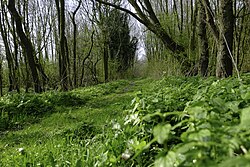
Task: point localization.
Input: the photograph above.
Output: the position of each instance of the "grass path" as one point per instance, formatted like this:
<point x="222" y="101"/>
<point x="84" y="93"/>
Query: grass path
<point x="46" y="142"/>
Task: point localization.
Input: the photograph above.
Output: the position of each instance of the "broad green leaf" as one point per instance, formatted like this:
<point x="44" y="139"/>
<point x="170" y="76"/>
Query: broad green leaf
<point x="203" y="136"/>
<point x="197" y="112"/>
<point x="246" y="96"/>
<point x="235" y="162"/>
<point x="233" y="105"/>
<point x="219" y="103"/>
<point x="148" y="117"/>
<point x="155" y="100"/>
<point x="245" y="118"/>
<point x="112" y="159"/>
<point x="140" y="145"/>
<point x="169" y="160"/>
<point x="161" y="132"/>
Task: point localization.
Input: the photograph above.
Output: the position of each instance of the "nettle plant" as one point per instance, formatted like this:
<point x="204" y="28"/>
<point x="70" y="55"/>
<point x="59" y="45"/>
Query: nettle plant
<point x="202" y="123"/>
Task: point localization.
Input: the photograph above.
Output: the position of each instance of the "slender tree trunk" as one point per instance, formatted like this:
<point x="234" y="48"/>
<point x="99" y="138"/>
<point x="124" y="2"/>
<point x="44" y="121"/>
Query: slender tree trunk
<point x="4" y="33"/>
<point x="224" y="67"/>
<point x="8" y="54"/>
<point x="193" y="27"/>
<point x="204" y="51"/>
<point x="105" y="61"/>
<point x="177" y="15"/>
<point x="1" y="78"/>
<point x="182" y="15"/>
<point x="26" y="44"/>
<point x="62" y="54"/>
<point x="15" y="57"/>
<point x="74" y="52"/>
<point x="69" y="82"/>
<point x="85" y="58"/>
<point x="75" y="43"/>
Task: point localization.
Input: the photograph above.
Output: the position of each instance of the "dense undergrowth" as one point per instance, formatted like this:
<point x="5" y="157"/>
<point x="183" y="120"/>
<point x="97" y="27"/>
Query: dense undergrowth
<point x="170" y="122"/>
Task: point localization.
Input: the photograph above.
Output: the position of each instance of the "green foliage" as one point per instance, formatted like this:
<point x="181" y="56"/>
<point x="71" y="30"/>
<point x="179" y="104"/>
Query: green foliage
<point x="66" y="99"/>
<point x="175" y="121"/>
<point x="16" y="108"/>
<point x="20" y="108"/>
<point x="196" y="122"/>
<point x="122" y="46"/>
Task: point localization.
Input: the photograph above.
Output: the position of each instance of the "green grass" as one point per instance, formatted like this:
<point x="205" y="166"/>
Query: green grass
<point x="57" y="138"/>
<point x="175" y="121"/>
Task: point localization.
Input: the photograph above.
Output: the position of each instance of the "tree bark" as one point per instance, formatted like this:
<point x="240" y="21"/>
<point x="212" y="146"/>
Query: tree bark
<point x="223" y="36"/>
<point x="224" y="66"/>
<point x="75" y="42"/>
<point x="15" y="56"/>
<point x="62" y="55"/>
<point x="105" y="61"/>
<point x="85" y="58"/>
<point x="7" y="51"/>
<point x="26" y="45"/>
<point x="11" y="57"/>
<point x="204" y="52"/>
<point x="1" y="78"/>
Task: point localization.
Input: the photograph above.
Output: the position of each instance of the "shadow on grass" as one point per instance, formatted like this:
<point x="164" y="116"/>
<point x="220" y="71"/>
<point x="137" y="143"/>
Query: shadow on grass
<point x="12" y="139"/>
<point x="111" y="100"/>
<point x="21" y="110"/>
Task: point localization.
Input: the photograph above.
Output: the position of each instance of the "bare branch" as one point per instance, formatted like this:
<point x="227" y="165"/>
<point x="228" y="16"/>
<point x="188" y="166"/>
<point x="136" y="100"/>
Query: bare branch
<point x="122" y="9"/>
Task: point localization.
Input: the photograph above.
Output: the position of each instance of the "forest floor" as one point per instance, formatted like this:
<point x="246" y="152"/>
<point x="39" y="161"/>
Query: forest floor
<point x="34" y="142"/>
<point x="173" y="121"/>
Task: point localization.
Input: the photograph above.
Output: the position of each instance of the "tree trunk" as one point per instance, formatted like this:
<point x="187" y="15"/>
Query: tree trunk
<point x="5" y="31"/>
<point x="7" y="52"/>
<point x="74" y="51"/>
<point x="204" y="52"/>
<point x="74" y="43"/>
<point x="194" y="13"/>
<point x="15" y="57"/>
<point x="85" y="58"/>
<point x="224" y="67"/>
<point x="105" y="61"/>
<point x="26" y="45"/>
<point x="1" y="78"/>
<point x="62" y="54"/>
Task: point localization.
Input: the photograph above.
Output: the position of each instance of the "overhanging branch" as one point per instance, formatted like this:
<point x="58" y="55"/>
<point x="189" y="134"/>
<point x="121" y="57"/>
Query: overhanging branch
<point x="122" y="9"/>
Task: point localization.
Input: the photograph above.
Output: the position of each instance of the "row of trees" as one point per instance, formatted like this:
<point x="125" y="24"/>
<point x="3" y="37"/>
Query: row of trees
<point x="68" y="43"/>
<point x="203" y="37"/>
<point x="74" y="43"/>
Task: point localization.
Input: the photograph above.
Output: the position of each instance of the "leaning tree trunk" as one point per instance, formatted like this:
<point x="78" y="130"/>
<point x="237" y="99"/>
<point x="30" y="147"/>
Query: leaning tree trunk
<point x="26" y="45"/>
<point x="224" y="67"/>
<point x="9" y="59"/>
<point x="5" y="31"/>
